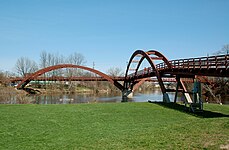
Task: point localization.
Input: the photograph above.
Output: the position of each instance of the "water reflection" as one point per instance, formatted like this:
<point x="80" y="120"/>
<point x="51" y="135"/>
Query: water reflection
<point x="75" y="98"/>
<point x="155" y="95"/>
<point x="101" y="98"/>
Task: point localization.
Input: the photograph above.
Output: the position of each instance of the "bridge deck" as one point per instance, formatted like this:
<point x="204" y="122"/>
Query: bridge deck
<point x="217" y="66"/>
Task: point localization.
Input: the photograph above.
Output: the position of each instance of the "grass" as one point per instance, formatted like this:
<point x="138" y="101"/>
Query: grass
<point x="112" y="126"/>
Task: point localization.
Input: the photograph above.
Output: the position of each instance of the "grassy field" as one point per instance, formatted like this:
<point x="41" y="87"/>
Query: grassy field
<point x="112" y="126"/>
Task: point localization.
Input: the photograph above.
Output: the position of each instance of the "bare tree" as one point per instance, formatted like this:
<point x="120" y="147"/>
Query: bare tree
<point x="44" y="63"/>
<point x="43" y="59"/>
<point x="219" y="90"/>
<point x="76" y="59"/>
<point x="4" y="79"/>
<point x="24" y="66"/>
<point x="49" y="56"/>
<point x="115" y="71"/>
<point x="224" y="50"/>
<point x="49" y="59"/>
<point x="56" y="60"/>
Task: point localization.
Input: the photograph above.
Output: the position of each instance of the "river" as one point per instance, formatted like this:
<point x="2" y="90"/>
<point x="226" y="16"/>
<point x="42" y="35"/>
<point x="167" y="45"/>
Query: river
<point x="99" y="98"/>
<point x="75" y="98"/>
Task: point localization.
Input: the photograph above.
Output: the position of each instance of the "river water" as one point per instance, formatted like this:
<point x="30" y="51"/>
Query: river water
<point x="75" y="98"/>
<point x="99" y="98"/>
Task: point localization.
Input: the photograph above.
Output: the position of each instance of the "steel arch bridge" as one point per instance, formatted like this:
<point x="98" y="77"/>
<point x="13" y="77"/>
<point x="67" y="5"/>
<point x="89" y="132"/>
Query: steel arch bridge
<point x="34" y="75"/>
<point x="217" y="66"/>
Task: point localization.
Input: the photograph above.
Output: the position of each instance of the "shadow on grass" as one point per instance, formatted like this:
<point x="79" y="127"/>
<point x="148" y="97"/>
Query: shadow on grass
<point x="182" y="108"/>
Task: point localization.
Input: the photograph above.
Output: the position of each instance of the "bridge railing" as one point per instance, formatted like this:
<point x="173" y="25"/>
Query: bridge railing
<point x="216" y="62"/>
<point x="211" y="62"/>
<point x="144" y="71"/>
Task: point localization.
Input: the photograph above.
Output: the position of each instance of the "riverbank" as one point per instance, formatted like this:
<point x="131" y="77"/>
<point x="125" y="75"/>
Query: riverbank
<point x="112" y="126"/>
<point x="10" y="95"/>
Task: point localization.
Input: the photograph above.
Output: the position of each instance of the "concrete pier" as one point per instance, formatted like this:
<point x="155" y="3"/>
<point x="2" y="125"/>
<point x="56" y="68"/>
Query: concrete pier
<point x="126" y="94"/>
<point x="166" y="98"/>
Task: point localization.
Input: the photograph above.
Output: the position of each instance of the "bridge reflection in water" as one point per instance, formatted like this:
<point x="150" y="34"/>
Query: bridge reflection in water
<point x="155" y="96"/>
<point x="92" y="98"/>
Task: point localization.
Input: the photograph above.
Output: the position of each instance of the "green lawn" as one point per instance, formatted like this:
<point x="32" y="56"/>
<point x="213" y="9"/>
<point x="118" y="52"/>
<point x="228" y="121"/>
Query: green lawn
<point x="112" y="126"/>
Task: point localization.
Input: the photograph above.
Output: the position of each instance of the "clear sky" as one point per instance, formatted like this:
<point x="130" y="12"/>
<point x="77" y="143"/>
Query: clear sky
<point x="107" y="32"/>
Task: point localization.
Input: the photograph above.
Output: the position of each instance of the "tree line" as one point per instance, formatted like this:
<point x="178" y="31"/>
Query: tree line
<point x="25" y="66"/>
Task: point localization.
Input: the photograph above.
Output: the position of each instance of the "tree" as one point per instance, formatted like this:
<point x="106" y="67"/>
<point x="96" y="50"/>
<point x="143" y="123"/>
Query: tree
<point x="224" y="50"/>
<point x="43" y="59"/>
<point x="115" y="71"/>
<point x="49" y="59"/>
<point x="4" y="80"/>
<point x="75" y="59"/>
<point x="56" y="60"/>
<point x="43" y="62"/>
<point x="219" y="90"/>
<point x="25" y="66"/>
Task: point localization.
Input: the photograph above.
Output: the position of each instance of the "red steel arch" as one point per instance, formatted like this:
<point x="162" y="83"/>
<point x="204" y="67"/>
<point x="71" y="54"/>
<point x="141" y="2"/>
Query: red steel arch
<point x="34" y="75"/>
<point x="147" y="56"/>
<point x="159" y="57"/>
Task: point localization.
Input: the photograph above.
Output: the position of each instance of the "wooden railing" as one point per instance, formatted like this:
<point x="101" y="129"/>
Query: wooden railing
<point x="214" y="62"/>
<point x="211" y="62"/>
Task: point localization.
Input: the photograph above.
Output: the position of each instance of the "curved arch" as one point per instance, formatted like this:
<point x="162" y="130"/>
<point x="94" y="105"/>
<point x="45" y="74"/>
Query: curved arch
<point x="27" y="79"/>
<point x="146" y="55"/>
<point x="156" y="53"/>
<point x="137" y="52"/>
<point x="136" y="86"/>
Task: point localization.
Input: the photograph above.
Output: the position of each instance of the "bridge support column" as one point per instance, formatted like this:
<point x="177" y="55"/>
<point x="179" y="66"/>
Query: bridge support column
<point x="126" y="94"/>
<point x="166" y="98"/>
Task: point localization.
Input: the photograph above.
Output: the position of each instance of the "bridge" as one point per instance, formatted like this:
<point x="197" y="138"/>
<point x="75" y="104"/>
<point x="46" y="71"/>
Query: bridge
<point x="177" y="70"/>
<point x="202" y="79"/>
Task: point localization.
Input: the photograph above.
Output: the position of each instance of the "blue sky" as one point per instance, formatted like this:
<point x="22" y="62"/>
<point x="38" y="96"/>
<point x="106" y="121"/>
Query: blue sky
<point x="107" y="32"/>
